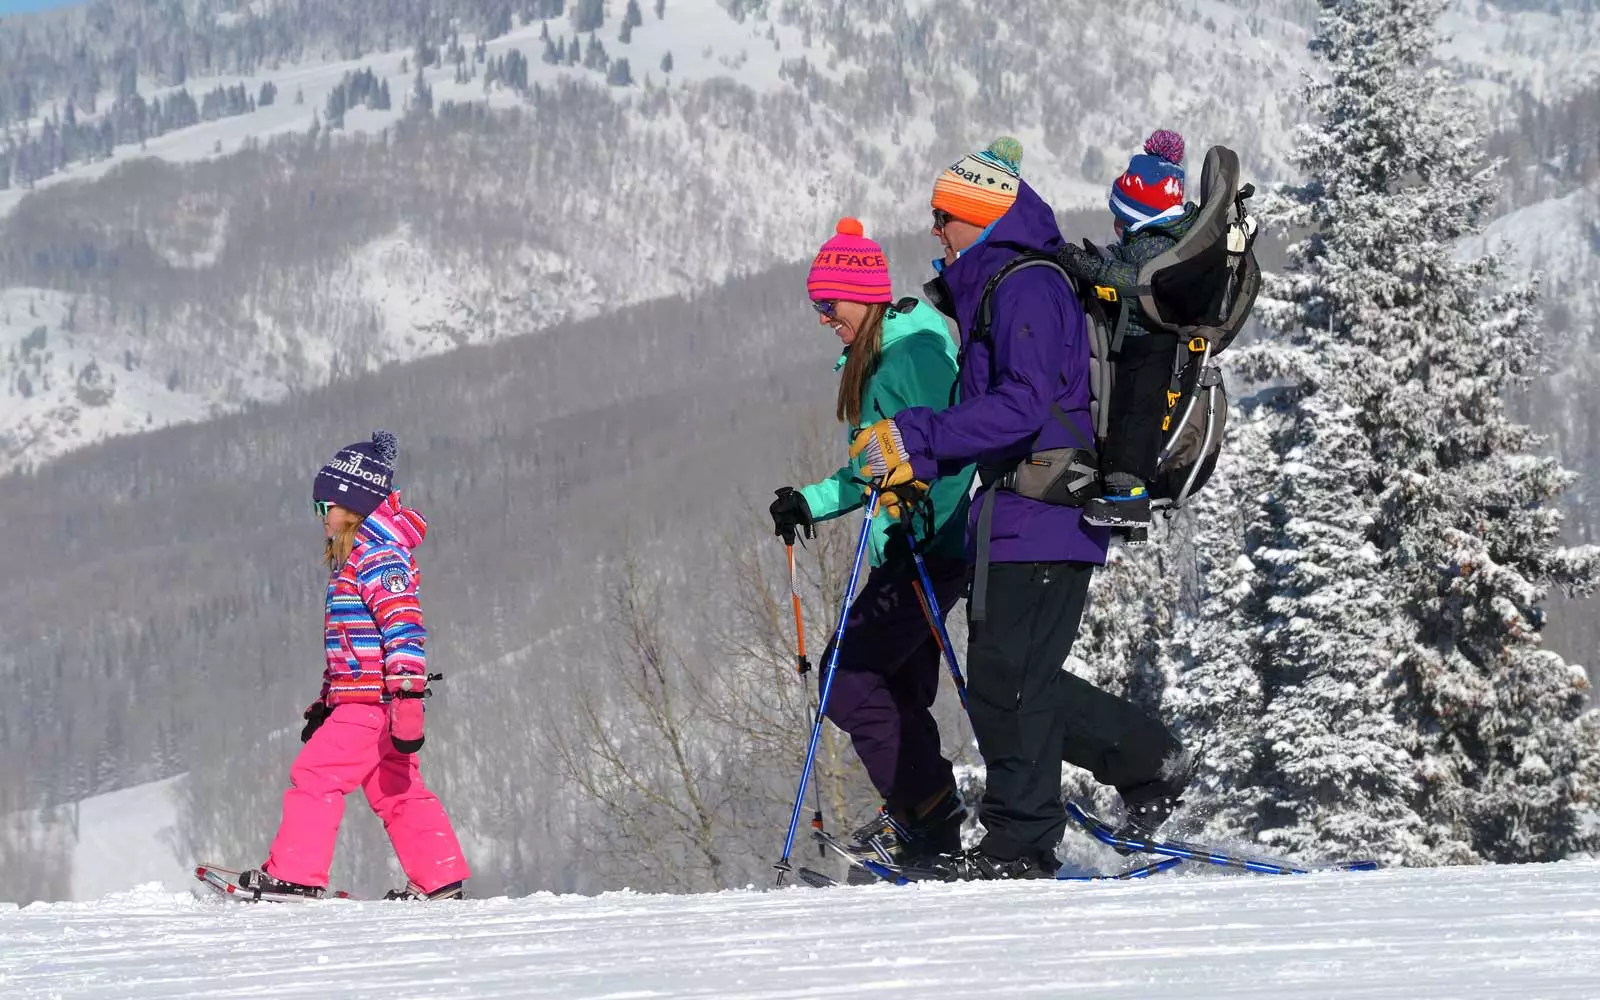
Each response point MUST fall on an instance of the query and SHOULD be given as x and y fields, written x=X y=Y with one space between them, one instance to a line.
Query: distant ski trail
x=1523 y=931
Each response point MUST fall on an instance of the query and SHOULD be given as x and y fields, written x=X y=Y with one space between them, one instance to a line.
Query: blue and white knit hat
x=361 y=476
x=1151 y=190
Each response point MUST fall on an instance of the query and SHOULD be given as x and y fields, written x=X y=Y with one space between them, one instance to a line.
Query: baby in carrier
x=1151 y=217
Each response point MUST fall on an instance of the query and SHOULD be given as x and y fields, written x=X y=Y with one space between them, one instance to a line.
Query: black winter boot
x=259 y=883
x=975 y=865
x=1147 y=807
x=1125 y=503
x=455 y=890
x=928 y=836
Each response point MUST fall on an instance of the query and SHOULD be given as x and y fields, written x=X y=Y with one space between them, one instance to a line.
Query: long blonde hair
x=337 y=550
x=861 y=361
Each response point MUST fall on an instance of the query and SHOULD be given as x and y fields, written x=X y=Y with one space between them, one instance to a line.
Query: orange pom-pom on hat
x=849 y=268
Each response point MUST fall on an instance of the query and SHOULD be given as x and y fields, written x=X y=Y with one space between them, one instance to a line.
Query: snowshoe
x=257 y=886
x=412 y=891
x=907 y=840
x=1147 y=807
x=976 y=865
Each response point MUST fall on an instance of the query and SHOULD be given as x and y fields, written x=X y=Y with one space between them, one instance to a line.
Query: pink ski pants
x=352 y=750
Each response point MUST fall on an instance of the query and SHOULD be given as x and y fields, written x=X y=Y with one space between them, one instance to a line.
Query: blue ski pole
x=930 y=607
x=827 y=683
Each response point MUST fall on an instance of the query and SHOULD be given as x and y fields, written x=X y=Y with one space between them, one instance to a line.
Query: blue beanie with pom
x=361 y=476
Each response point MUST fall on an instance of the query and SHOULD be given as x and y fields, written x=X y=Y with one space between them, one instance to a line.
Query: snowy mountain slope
x=1466 y=933
x=1546 y=51
x=1558 y=240
x=125 y=838
x=773 y=120
x=704 y=41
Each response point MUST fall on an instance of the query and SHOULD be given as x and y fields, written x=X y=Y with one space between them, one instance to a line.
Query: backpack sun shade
x=1203 y=290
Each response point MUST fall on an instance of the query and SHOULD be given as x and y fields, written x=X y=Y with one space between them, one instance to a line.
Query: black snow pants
x=1029 y=714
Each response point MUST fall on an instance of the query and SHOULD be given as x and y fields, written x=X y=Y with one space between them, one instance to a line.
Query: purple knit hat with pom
x=361 y=477
x=1151 y=189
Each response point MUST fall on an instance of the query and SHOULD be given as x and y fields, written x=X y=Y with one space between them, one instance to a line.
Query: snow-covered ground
x=1500 y=932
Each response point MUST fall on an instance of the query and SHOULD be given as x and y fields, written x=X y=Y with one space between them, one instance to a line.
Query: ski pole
x=801 y=664
x=802 y=667
x=930 y=608
x=826 y=682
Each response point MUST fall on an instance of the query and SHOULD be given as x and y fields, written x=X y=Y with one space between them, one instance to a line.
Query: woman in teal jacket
x=896 y=355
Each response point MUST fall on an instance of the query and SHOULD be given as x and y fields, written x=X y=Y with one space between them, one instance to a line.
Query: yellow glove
x=883 y=455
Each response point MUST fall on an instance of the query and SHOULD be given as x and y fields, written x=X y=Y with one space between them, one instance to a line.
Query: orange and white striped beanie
x=981 y=187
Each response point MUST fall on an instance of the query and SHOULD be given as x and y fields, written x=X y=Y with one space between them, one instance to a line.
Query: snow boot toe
x=412 y=891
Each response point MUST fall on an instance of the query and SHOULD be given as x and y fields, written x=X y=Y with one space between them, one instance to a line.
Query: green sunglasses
x=323 y=507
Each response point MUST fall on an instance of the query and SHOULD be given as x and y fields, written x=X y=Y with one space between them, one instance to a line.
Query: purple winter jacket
x=1037 y=353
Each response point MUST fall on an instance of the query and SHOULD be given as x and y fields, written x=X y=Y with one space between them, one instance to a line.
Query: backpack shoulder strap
x=985 y=317
x=1022 y=262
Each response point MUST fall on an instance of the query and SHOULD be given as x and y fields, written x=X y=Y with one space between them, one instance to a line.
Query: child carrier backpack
x=1202 y=290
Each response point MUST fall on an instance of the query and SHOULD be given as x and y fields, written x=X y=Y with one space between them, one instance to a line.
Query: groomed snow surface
x=1495 y=931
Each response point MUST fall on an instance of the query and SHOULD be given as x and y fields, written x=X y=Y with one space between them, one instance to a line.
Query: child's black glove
x=1081 y=262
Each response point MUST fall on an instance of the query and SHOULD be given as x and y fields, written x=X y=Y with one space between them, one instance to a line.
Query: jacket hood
x=393 y=523
x=1028 y=226
x=919 y=320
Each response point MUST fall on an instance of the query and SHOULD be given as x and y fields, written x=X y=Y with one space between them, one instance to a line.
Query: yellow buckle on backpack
x=1166 y=422
x=1172 y=399
x=1197 y=345
x=1105 y=293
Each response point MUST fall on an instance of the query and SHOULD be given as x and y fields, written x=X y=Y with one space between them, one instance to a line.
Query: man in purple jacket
x=1028 y=713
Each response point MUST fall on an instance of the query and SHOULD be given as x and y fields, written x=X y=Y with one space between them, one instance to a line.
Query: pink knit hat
x=849 y=267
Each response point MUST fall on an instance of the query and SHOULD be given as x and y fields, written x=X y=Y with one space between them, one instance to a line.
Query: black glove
x=315 y=715
x=1081 y=262
x=790 y=512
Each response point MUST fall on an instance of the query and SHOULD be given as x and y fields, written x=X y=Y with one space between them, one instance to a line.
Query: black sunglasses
x=941 y=218
x=825 y=307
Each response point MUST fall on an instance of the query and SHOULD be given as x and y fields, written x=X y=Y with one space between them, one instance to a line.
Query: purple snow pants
x=889 y=670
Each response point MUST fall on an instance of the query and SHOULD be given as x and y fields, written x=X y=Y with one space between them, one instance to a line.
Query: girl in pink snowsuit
x=366 y=728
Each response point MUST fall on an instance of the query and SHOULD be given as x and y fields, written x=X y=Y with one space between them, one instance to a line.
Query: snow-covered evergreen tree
x=1214 y=698
x=1385 y=614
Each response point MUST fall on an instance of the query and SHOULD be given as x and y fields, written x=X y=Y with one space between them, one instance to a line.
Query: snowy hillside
x=127 y=838
x=1558 y=240
x=194 y=288
x=1465 y=933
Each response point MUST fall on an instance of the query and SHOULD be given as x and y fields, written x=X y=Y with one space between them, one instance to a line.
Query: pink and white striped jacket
x=373 y=631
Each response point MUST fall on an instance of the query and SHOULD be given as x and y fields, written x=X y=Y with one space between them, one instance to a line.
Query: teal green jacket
x=916 y=367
